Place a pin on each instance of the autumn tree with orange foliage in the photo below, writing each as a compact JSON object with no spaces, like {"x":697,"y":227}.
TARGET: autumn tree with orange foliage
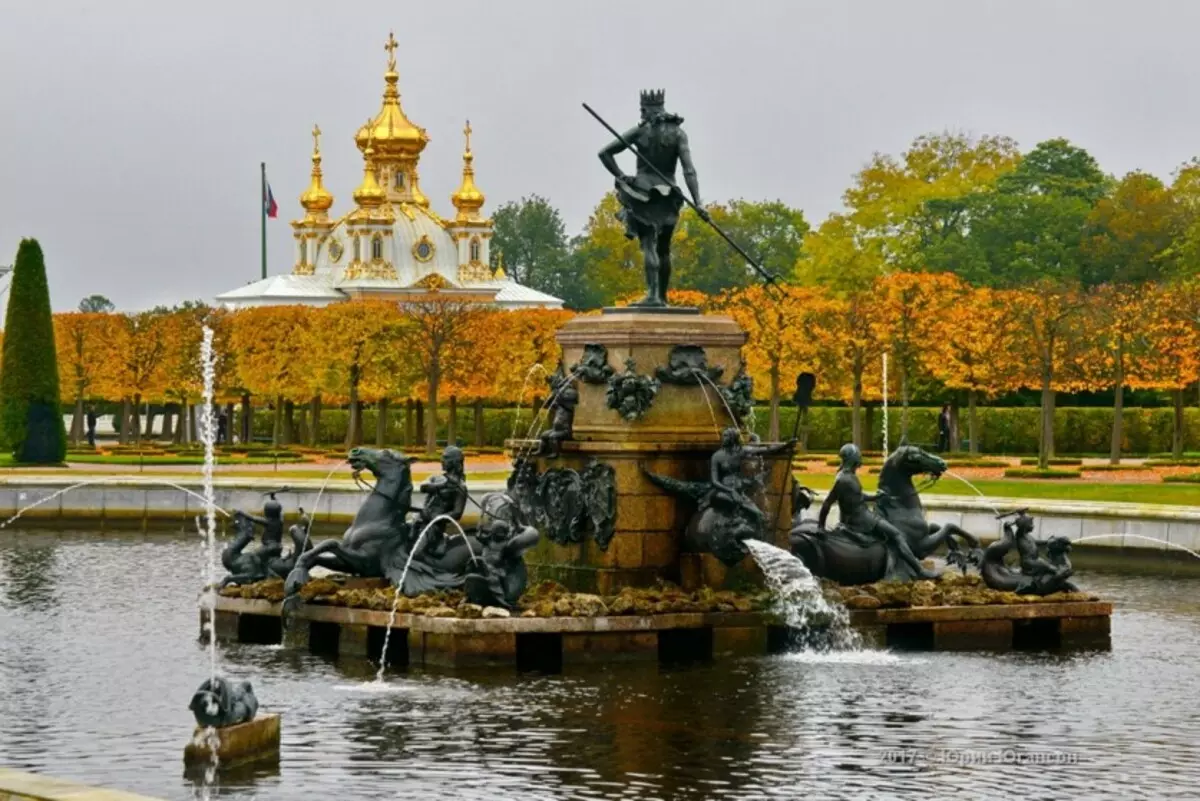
{"x":779,"y":325}
{"x":1172,"y":355}
{"x":438,"y":338}
{"x":82,"y":340}
{"x":910,"y":306}
{"x":970,"y":347}
{"x":1050,"y":345}
{"x":274,"y":358}
{"x":133,"y":369}
{"x":355,"y":350}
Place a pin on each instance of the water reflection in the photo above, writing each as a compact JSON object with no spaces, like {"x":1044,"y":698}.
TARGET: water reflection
{"x":98,"y":658}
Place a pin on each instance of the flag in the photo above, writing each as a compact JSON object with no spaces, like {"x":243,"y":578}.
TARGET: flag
{"x":270,"y":208}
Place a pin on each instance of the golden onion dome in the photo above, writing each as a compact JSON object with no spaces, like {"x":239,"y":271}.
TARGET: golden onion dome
{"x":316,"y":198}
{"x":468,"y":199}
{"x":390,"y":131}
{"x":369,"y":192}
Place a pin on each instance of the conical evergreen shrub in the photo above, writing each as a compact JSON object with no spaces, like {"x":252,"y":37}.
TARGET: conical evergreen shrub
{"x":31,"y":424}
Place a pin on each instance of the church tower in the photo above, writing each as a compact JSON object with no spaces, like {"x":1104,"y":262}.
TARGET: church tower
{"x":397,"y":142}
{"x":471,"y":231}
{"x":311,"y":231}
{"x":369,"y":227}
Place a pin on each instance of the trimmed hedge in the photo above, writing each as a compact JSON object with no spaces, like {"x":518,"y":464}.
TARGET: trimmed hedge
{"x":1183,"y":478}
{"x":31,"y":422}
{"x":1024,"y":472}
{"x":1114,"y":468}
{"x":1056,"y":461}
{"x":1003,"y":430}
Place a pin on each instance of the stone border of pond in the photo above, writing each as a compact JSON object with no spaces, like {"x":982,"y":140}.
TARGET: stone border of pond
{"x":556,"y":644}
{"x":17,"y":785}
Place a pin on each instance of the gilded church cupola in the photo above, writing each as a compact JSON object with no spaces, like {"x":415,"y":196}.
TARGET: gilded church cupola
{"x":396,"y":140}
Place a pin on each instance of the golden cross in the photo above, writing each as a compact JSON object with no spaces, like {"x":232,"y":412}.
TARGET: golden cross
{"x":467,"y":133}
{"x":316,"y":135}
{"x":391,"y":48}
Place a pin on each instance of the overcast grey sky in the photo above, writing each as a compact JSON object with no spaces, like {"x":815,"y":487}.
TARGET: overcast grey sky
{"x":132,"y":131}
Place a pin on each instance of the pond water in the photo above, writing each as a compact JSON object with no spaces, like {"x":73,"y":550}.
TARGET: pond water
{"x":99,"y":657}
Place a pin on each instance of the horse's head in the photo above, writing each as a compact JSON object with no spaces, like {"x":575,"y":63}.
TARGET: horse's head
{"x":1057,"y":546}
{"x":909,"y":460}
{"x":380,"y":461}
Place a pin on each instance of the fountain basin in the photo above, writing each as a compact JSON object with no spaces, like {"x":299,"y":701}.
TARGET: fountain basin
{"x":252,"y":741}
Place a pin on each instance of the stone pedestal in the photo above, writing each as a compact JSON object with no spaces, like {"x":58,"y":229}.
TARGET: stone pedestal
{"x":675,"y":437}
{"x":237,"y":745}
{"x":692,"y":414}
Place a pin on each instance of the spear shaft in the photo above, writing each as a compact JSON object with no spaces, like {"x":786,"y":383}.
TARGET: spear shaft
{"x":766,"y":276}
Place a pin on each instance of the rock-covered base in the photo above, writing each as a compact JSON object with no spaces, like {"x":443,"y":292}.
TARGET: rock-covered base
{"x":949,"y":590}
{"x":545,"y":599}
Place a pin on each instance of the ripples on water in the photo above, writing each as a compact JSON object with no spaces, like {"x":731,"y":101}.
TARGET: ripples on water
{"x":99,"y":658}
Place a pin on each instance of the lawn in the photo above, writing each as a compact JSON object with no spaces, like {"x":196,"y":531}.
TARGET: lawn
{"x":1075,"y":490}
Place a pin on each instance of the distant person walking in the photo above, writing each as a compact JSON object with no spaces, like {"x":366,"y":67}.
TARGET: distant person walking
{"x":91,"y":426}
{"x":944,"y":429}
{"x":222,"y":427}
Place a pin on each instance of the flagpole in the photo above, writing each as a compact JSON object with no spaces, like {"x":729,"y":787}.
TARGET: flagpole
{"x":262,"y":209}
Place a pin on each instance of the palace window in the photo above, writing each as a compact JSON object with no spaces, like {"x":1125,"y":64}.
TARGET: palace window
{"x":377,"y":248}
{"x":399,"y":180}
{"x":357,"y":249}
{"x":474,"y":250}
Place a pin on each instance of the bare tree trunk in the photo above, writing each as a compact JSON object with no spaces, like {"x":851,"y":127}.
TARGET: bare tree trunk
{"x":773,"y":420}
{"x":150,"y":415}
{"x":289,"y":422}
{"x":314,"y":432}
{"x":354,"y":426}
{"x":431,"y":417}
{"x":77,"y":422}
{"x":168,"y":426}
{"x":420,"y":425}
{"x":1046,"y":449}
{"x":301,"y":432}
{"x":1114,"y":453}
{"x":856,"y":432}
{"x":955,"y":440}
{"x":452,"y":423}
{"x":123,"y":422}
{"x":480,"y":434}
{"x":277,"y":423}
{"x":247,"y":419}
{"x":381,"y":423}
{"x":1177,"y":426}
{"x":973,"y":421}
{"x":410,"y":428}
{"x":180,"y":423}
{"x":136,"y":422}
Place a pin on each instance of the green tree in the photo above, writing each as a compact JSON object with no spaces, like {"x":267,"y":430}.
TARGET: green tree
{"x":605,"y":265}
{"x":1032,"y":227}
{"x":1129,"y":232}
{"x":97,"y":304}
{"x":532,"y":239}
{"x":31,"y":424}
{"x":916,"y":209}
{"x":770,"y":231}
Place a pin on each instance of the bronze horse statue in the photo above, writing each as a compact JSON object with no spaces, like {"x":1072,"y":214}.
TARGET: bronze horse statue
{"x":380,"y":540}
{"x":842,"y":556}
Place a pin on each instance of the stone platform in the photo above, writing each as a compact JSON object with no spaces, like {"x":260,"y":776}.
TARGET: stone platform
{"x":253,"y":741}
{"x":999,"y":627}
{"x":555,"y":644}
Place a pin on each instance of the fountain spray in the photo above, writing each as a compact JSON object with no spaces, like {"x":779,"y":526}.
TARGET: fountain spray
{"x":208,"y":437}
